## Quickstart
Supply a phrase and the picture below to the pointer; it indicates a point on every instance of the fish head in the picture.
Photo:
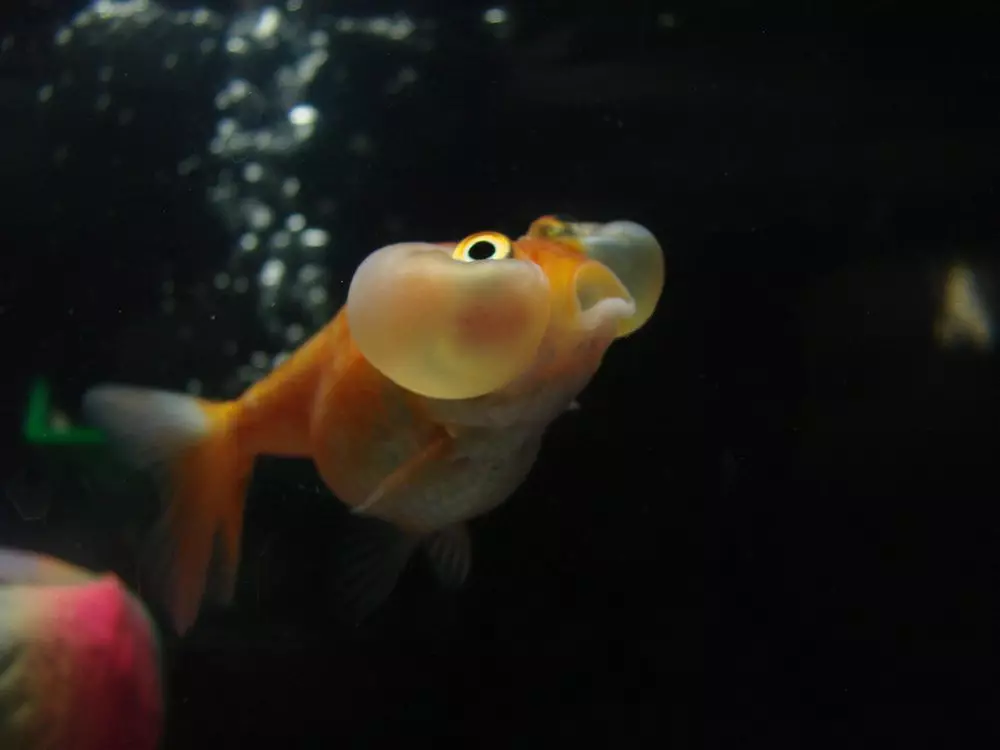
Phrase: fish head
(489, 315)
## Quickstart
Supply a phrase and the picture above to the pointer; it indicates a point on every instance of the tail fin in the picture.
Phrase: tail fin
(190, 445)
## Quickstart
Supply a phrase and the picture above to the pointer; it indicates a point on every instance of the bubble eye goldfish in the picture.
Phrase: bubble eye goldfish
(422, 403)
(79, 660)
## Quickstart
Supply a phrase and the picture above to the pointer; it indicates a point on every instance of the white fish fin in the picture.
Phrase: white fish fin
(188, 445)
(148, 427)
(414, 470)
(450, 553)
(369, 560)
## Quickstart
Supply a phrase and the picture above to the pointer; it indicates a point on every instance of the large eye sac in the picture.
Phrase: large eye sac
(483, 246)
(443, 327)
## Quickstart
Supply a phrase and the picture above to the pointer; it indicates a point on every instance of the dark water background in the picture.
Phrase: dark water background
(773, 520)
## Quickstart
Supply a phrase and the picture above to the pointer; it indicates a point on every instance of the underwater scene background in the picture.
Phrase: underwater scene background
(772, 519)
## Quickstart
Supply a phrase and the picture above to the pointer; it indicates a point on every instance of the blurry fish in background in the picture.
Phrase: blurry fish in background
(422, 403)
(79, 660)
(964, 319)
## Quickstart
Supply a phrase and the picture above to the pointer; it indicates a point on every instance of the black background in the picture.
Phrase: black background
(773, 520)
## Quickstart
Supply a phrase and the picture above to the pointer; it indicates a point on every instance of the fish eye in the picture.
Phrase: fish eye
(483, 246)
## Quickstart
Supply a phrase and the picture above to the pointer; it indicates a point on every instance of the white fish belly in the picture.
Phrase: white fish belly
(486, 470)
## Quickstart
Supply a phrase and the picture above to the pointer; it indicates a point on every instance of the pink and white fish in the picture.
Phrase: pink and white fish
(79, 660)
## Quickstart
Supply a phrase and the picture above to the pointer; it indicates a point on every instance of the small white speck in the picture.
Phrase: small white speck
(268, 23)
(280, 240)
(302, 114)
(309, 273)
(236, 45)
(260, 216)
(238, 88)
(271, 273)
(294, 333)
(253, 172)
(316, 296)
(315, 237)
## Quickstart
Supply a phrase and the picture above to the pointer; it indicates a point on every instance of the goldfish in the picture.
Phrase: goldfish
(422, 403)
(79, 659)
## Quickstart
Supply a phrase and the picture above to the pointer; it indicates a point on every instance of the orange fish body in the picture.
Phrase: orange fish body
(422, 403)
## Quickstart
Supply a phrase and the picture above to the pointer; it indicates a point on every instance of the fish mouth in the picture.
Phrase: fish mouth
(601, 298)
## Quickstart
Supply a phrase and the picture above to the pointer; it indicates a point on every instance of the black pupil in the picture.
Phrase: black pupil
(482, 250)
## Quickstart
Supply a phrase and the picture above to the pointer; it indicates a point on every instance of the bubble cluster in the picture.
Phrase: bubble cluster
(262, 64)
(265, 118)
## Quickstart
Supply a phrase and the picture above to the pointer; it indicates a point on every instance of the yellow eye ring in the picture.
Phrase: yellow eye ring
(483, 246)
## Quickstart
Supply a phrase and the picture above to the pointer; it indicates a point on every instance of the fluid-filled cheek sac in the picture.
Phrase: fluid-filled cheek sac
(445, 328)
(636, 258)
(629, 250)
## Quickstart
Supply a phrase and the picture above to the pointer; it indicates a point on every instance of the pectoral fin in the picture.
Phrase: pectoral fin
(373, 555)
(374, 552)
(411, 472)
(368, 561)
(450, 554)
